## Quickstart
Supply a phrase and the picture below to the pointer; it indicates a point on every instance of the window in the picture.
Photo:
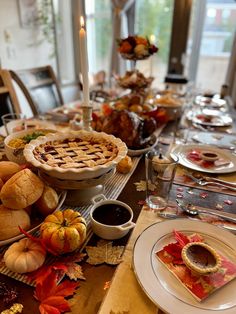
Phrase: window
(64, 41)
(210, 42)
(159, 17)
(99, 34)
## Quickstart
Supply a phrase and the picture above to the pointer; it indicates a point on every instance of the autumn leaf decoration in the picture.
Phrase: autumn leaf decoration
(174, 249)
(51, 294)
(50, 289)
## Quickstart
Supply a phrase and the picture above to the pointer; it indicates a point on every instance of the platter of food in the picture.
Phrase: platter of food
(25, 201)
(36, 222)
(134, 80)
(174, 288)
(191, 156)
(148, 146)
(171, 104)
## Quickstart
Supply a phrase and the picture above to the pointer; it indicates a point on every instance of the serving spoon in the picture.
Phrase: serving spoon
(192, 210)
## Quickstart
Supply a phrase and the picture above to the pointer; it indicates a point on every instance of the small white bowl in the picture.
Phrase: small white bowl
(16, 154)
(110, 231)
(209, 155)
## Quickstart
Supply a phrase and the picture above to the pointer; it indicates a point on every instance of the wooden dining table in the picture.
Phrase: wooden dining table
(114, 289)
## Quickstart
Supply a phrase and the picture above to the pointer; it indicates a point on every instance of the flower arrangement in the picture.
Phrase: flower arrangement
(136, 48)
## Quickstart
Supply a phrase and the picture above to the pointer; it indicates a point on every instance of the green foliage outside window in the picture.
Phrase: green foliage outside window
(155, 17)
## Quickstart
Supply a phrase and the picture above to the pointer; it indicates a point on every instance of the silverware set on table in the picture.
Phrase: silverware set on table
(192, 211)
(204, 180)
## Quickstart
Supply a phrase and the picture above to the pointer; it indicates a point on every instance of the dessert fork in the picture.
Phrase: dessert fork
(203, 182)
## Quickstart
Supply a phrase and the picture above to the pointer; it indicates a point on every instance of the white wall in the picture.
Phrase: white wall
(19, 49)
(18, 45)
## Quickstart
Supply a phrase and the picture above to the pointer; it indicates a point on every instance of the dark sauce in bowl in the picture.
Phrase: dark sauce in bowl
(111, 214)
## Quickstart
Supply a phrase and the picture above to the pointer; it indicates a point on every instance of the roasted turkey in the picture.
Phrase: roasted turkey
(128, 126)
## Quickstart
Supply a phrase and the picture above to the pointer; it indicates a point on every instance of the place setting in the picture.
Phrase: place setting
(167, 276)
(184, 257)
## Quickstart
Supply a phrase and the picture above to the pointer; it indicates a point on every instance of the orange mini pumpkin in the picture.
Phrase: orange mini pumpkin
(63, 231)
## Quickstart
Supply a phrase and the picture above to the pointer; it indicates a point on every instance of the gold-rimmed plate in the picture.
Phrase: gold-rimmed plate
(162, 287)
(228, 159)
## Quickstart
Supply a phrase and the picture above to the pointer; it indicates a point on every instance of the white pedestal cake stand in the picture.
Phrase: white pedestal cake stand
(79, 192)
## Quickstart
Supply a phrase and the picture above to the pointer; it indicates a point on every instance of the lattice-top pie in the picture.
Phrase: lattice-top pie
(76, 156)
(75, 153)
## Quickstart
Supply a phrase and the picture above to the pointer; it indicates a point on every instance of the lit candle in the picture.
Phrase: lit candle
(152, 41)
(84, 61)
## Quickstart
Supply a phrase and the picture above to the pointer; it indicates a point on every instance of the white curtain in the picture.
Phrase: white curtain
(119, 30)
(231, 73)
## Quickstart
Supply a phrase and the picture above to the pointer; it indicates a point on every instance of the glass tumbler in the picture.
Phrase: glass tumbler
(160, 172)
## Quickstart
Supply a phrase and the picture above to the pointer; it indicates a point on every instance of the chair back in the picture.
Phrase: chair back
(40, 87)
(8, 99)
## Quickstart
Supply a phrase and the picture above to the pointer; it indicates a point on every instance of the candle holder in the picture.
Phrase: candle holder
(87, 117)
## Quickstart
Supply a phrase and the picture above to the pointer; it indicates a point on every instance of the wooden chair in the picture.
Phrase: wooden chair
(40, 87)
(8, 99)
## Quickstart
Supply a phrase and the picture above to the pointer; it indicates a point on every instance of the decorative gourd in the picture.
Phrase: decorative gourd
(125, 165)
(10, 220)
(63, 231)
(24, 256)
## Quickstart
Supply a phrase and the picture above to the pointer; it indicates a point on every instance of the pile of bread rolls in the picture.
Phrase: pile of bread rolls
(22, 194)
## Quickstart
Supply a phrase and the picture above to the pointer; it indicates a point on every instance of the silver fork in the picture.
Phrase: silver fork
(203, 182)
(220, 181)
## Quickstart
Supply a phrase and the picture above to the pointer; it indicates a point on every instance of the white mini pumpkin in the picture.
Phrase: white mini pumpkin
(24, 256)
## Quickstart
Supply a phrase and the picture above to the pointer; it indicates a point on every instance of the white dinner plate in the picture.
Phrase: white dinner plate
(213, 102)
(182, 151)
(162, 287)
(213, 117)
(62, 197)
(139, 152)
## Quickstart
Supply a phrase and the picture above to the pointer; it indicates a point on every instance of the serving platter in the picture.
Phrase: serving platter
(139, 152)
(162, 287)
(182, 152)
(35, 224)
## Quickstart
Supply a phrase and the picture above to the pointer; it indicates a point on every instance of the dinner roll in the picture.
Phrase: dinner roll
(7, 169)
(48, 201)
(10, 220)
(23, 189)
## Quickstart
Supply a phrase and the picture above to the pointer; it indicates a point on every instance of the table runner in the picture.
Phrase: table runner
(113, 188)
(125, 294)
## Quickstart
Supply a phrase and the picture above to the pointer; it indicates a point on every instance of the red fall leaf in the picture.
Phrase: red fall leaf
(51, 294)
(181, 238)
(174, 249)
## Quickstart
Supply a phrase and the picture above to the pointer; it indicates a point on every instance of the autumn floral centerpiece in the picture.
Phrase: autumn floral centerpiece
(136, 48)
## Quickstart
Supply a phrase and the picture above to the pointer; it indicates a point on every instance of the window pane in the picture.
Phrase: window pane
(155, 17)
(215, 42)
(99, 34)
